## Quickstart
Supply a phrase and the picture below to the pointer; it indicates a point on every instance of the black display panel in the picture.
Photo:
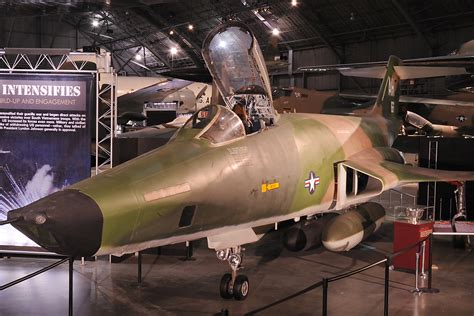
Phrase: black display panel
(44, 140)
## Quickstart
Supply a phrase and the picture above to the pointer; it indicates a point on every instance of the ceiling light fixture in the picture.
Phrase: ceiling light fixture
(294, 3)
(276, 32)
(173, 50)
(95, 23)
(138, 57)
(190, 27)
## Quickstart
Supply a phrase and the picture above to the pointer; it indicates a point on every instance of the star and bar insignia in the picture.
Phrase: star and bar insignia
(312, 182)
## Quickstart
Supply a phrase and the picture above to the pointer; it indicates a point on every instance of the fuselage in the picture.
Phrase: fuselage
(252, 181)
(190, 188)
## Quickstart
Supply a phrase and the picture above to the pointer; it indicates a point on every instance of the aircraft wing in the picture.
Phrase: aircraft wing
(393, 174)
(410, 99)
(382, 172)
(404, 72)
(133, 102)
(441, 61)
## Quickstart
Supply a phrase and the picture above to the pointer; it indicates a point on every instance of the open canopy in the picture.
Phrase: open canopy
(237, 66)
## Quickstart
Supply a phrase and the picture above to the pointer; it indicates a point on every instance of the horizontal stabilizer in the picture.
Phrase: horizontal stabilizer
(404, 72)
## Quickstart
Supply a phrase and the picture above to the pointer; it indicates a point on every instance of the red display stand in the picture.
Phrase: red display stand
(406, 234)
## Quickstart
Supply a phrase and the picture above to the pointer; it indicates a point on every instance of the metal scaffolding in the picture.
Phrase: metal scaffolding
(106, 120)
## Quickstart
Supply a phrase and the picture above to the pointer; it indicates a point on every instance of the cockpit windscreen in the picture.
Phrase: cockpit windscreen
(201, 118)
(226, 127)
(214, 123)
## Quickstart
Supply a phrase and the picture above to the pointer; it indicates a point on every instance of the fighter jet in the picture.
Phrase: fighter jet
(433, 117)
(452, 116)
(234, 168)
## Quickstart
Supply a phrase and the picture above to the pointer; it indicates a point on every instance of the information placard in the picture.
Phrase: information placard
(44, 140)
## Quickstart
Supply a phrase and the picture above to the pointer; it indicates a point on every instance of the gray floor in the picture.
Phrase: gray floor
(175, 287)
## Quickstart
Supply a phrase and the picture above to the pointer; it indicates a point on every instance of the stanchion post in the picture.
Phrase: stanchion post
(429, 289)
(417, 289)
(139, 268)
(71, 270)
(387, 280)
(430, 260)
(189, 250)
(423, 250)
(325, 296)
(417, 268)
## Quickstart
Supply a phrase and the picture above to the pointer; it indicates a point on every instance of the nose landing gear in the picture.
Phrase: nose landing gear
(233, 285)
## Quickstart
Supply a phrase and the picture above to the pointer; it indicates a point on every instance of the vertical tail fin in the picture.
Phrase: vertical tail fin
(387, 103)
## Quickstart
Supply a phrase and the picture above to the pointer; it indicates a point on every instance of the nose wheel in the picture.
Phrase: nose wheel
(233, 285)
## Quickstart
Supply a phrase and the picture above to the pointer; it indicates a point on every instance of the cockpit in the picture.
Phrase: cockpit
(214, 123)
(238, 69)
(236, 64)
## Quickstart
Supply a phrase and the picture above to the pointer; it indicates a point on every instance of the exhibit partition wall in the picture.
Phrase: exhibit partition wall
(45, 140)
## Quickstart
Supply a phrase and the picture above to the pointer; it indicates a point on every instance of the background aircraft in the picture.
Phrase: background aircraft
(214, 180)
(455, 109)
(461, 57)
(159, 92)
(428, 116)
(144, 103)
(134, 92)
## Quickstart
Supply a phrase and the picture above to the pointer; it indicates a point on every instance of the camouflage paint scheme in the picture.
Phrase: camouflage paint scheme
(234, 173)
(299, 100)
(460, 117)
(282, 172)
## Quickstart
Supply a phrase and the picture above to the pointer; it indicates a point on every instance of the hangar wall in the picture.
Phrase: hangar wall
(405, 47)
(39, 31)
(51, 31)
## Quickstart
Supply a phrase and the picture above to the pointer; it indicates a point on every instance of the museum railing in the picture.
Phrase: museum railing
(387, 263)
(62, 260)
(324, 283)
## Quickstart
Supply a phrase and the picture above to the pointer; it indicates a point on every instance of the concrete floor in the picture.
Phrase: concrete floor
(175, 287)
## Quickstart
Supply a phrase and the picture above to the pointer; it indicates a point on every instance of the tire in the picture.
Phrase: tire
(225, 287)
(241, 287)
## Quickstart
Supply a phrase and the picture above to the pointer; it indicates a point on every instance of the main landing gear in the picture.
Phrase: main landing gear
(233, 285)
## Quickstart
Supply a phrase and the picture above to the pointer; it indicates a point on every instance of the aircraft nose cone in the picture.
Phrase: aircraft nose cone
(67, 222)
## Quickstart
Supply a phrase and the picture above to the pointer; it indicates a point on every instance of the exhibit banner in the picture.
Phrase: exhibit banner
(44, 140)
